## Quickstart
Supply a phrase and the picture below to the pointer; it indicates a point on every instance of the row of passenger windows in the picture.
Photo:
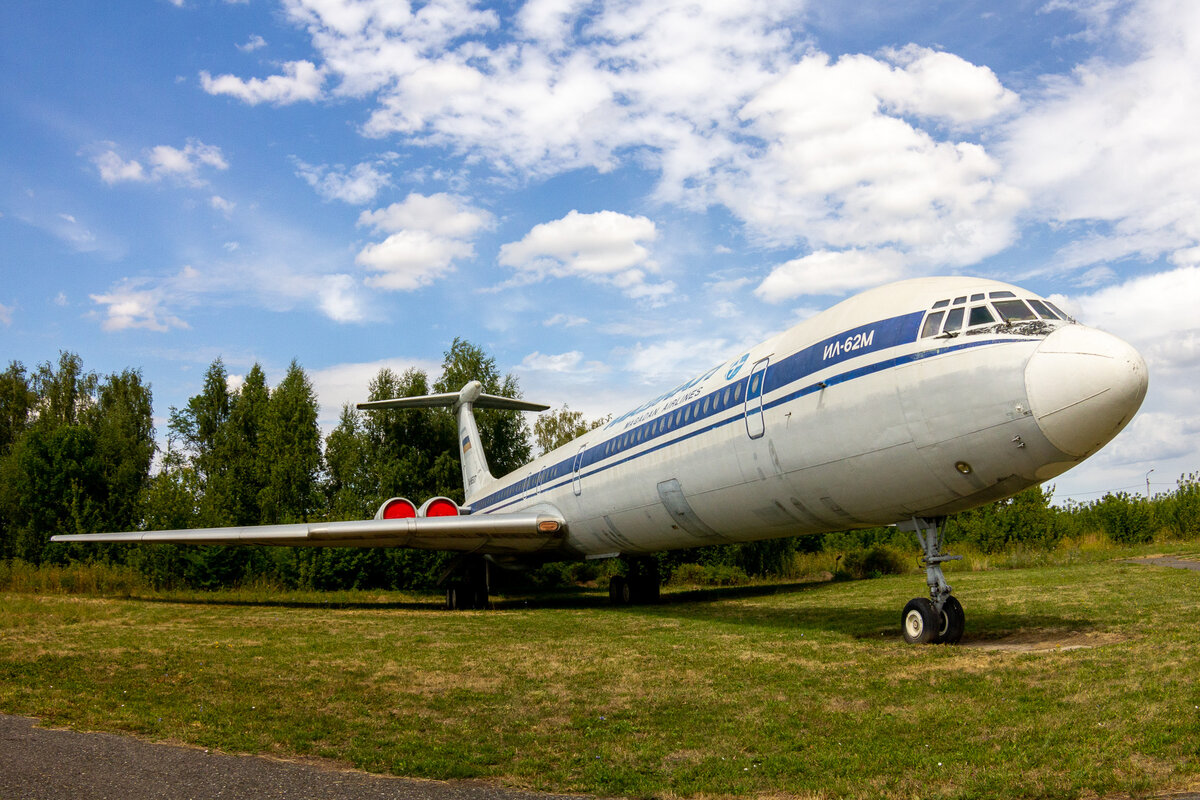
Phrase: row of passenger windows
(680, 416)
(1003, 307)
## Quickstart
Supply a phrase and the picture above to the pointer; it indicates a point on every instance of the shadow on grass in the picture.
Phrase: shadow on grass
(861, 622)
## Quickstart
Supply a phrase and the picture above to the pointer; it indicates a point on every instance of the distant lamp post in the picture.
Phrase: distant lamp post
(1148, 482)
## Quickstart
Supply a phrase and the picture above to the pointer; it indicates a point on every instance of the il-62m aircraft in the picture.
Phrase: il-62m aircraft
(898, 406)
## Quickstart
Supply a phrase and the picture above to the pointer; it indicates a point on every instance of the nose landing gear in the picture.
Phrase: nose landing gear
(940, 619)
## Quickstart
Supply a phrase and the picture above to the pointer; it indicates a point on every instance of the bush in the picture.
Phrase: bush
(875, 562)
(1126, 519)
(1180, 511)
(708, 575)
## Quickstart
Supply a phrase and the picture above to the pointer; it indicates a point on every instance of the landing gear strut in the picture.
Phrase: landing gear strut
(940, 619)
(639, 584)
(469, 587)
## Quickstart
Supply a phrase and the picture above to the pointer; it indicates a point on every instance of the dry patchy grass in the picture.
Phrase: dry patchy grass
(1071, 680)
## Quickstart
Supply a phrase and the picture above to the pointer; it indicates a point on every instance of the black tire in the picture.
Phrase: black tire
(919, 622)
(954, 621)
(619, 591)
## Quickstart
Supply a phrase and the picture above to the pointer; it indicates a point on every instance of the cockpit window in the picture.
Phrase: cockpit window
(941, 304)
(975, 297)
(1014, 310)
(932, 324)
(980, 315)
(954, 320)
(1057, 310)
(960, 300)
(1043, 311)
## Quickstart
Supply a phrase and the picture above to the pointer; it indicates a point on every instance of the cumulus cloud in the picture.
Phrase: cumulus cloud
(159, 303)
(426, 235)
(826, 272)
(221, 204)
(606, 247)
(357, 185)
(162, 162)
(1112, 145)
(725, 102)
(139, 303)
(253, 43)
(300, 81)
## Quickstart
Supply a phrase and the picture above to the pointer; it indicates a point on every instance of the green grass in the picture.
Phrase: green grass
(801, 689)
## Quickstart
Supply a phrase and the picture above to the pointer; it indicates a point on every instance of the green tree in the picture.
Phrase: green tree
(553, 429)
(17, 399)
(290, 448)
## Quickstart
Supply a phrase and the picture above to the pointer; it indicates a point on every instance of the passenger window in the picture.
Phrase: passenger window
(933, 324)
(954, 320)
(1014, 311)
(980, 315)
(737, 392)
(1042, 310)
(725, 400)
(706, 401)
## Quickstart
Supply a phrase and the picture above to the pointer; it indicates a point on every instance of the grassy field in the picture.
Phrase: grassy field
(1071, 681)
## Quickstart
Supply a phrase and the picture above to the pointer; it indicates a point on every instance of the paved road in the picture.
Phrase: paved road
(45, 764)
(1167, 561)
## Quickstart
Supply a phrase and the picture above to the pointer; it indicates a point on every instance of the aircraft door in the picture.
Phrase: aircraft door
(576, 484)
(755, 425)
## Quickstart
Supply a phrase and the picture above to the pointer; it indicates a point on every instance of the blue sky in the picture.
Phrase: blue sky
(608, 196)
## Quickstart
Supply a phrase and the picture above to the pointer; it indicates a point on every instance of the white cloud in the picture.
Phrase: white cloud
(606, 247)
(725, 101)
(164, 162)
(356, 186)
(138, 303)
(565, 321)
(221, 204)
(826, 272)
(1113, 145)
(6, 313)
(300, 81)
(253, 43)
(427, 235)
(561, 362)
(348, 383)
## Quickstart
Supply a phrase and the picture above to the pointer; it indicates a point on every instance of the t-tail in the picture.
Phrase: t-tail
(477, 477)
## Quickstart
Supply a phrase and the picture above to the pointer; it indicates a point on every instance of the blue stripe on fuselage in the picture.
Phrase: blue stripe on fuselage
(713, 406)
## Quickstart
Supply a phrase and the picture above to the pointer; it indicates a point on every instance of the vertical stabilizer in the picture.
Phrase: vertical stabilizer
(476, 475)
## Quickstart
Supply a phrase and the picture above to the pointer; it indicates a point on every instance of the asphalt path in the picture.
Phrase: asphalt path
(53, 764)
(1167, 561)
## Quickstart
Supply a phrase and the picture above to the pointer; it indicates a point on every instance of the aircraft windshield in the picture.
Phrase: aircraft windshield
(1000, 312)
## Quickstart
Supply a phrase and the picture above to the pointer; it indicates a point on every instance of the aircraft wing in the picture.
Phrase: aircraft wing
(483, 533)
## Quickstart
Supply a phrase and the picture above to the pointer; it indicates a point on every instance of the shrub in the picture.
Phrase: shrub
(874, 562)
(1126, 519)
(708, 575)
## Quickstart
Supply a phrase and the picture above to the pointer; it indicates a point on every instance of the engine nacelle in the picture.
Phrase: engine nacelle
(397, 508)
(438, 507)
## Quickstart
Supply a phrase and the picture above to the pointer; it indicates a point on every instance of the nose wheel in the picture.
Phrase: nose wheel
(939, 619)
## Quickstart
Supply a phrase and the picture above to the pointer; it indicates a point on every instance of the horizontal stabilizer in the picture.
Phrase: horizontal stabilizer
(483, 533)
(451, 399)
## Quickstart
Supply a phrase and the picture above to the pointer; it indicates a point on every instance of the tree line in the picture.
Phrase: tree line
(77, 456)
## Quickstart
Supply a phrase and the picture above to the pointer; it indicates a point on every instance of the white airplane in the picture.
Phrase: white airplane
(898, 406)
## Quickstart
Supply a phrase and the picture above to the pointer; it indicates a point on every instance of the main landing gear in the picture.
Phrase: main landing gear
(940, 619)
(640, 583)
(468, 586)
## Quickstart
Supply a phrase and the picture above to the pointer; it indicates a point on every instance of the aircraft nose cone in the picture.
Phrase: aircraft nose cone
(1084, 386)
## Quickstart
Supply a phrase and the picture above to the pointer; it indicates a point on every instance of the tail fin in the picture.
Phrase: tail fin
(476, 475)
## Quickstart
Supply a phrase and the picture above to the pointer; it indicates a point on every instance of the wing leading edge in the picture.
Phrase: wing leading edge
(483, 534)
